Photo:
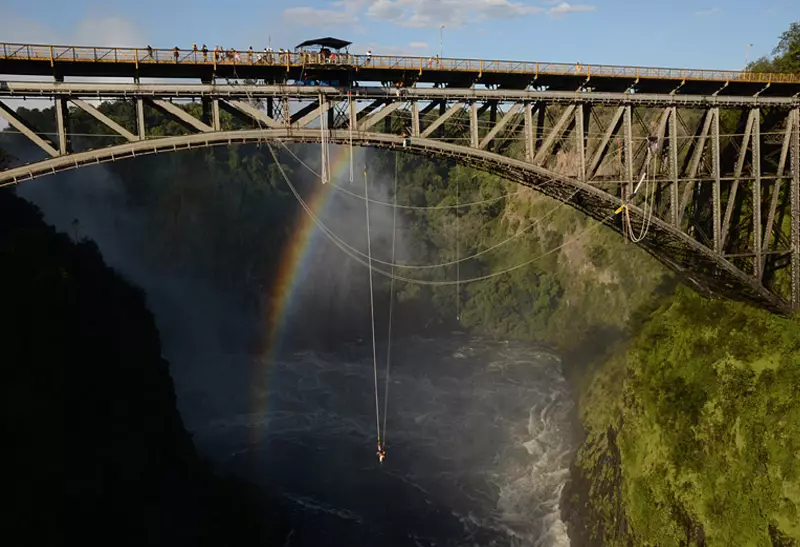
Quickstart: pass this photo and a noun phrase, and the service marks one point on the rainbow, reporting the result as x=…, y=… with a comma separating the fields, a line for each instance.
x=293, y=264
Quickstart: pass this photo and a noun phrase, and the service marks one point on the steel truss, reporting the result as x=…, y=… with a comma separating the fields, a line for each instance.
x=723, y=171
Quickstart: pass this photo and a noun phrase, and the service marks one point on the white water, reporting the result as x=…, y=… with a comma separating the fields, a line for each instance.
x=478, y=445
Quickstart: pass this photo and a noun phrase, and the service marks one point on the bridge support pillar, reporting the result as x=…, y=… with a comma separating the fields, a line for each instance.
x=756, y=172
x=673, y=166
x=530, y=132
x=627, y=124
x=140, y=127
x=580, y=142
x=62, y=122
x=795, y=208
x=473, y=125
x=215, y=122
x=415, y=119
x=716, y=203
x=211, y=113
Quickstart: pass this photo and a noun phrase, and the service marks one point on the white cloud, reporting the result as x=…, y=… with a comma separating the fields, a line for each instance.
x=101, y=32
x=418, y=45
x=456, y=13
x=107, y=32
x=416, y=13
x=385, y=10
x=709, y=11
x=313, y=17
x=564, y=8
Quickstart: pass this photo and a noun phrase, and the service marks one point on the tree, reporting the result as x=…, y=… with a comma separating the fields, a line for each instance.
x=785, y=56
x=788, y=49
x=5, y=159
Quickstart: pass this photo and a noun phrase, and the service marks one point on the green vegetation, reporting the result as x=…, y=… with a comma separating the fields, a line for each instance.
x=785, y=56
x=693, y=435
x=692, y=426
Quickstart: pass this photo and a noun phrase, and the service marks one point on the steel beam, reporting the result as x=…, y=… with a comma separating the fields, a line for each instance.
x=62, y=125
x=181, y=115
x=141, y=129
x=375, y=117
x=108, y=90
x=473, y=125
x=795, y=210
x=627, y=123
x=20, y=125
x=441, y=119
x=253, y=112
x=675, y=216
x=737, y=175
x=555, y=133
x=529, y=132
x=716, y=198
x=105, y=120
x=415, y=119
x=215, y=119
x=694, y=163
x=500, y=125
x=756, y=172
x=601, y=148
x=580, y=142
x=776, y=191
x=318, y=112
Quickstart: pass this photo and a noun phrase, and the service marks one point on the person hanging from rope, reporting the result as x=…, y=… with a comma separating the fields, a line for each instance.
x=381, y=452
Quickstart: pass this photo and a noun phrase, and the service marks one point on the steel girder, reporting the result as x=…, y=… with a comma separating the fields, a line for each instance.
x=694, y=157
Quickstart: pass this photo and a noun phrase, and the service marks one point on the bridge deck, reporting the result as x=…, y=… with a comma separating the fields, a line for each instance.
x=66, y=61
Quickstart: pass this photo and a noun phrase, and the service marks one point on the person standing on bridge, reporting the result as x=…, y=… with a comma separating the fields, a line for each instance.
x=176, y=53
x=205, y=53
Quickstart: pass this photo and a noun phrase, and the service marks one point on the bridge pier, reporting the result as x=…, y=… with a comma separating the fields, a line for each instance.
x=795, y=208
x=140, y=127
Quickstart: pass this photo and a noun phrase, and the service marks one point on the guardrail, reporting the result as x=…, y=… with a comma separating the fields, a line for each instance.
x=137, y=56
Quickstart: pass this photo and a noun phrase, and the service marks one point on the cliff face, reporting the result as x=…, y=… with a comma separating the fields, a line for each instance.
x=94, y=444
x=692, y=432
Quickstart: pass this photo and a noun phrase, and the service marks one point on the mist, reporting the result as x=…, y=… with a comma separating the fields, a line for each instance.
x=209, y=334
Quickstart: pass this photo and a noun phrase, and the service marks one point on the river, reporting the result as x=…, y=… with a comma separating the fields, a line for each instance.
x=478, y=437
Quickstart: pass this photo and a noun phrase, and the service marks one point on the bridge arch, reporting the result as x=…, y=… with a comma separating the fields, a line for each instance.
x=694, y=262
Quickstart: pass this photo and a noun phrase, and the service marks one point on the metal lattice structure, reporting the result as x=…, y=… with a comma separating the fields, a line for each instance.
x=720, y=166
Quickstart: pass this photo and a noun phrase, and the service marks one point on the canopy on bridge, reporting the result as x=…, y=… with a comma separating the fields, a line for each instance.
x=333, y=43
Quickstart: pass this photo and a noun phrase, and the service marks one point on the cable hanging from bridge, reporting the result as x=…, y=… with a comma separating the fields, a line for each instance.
x=355, y=256
x=391, y=309
x=458, y=260
x=394, y=204
x=649, y=200
x=372, y=319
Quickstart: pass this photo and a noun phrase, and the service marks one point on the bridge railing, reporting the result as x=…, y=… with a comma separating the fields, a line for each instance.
x=53, y=54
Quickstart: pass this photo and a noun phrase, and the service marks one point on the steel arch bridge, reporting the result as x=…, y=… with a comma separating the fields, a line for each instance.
x=719, y=152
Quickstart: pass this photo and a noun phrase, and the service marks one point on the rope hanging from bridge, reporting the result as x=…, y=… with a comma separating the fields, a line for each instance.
x=352, y=253
x=649, y=201
x=372, y=318
x=391, y=309
x=458, y=260
x=395, y=204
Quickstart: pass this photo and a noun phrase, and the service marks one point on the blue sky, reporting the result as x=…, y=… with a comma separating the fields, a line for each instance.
x=674, y=33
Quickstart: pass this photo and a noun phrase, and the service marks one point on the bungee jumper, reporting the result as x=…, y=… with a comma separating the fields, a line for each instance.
x=381, y=452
